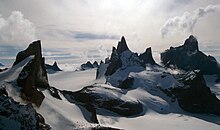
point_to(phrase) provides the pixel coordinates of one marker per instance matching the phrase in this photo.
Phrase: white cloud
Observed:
(16, 29)
(186, 23)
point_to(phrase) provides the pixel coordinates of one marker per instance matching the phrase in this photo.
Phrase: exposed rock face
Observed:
(89, 65)
(147, 57)
(195, 96)
(191, 44)
(124, 61)
(101, 70)
(122, 45)
(53, 67)
(95, 64)
(122, 57)
(127, 83)
(103, 97)
(104, 128)
(33, 75)
(188, 57)
(19, 116)
(1, 70)
(33, 49)
(54, 92)
(115, 62)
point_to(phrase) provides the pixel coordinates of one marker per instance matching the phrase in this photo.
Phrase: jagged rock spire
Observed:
(115, 62)
(33, 75)
(122, 45)
(147, 57)
(33, 49)
(191, 43)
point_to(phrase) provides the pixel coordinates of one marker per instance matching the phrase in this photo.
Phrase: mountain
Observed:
(89, 65)
(188, 57)
(127, 91)
(53, 67)
(126, 70)
(33, 75)
(123, 61)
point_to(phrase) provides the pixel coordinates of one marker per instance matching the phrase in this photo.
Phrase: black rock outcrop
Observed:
(195, 96)
(122, 45)
(114, 62)
(103, 97)
(95, 64)
(1, 70)
(89, 65)
(33, 75)
(53, 67)
(188, 57)
(19, 116)
(122, 57)
(147, 57)
(127, 83)
(54, 92)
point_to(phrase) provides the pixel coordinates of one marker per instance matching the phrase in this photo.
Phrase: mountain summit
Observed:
(122, 45)
(188, 57)
(191, 43)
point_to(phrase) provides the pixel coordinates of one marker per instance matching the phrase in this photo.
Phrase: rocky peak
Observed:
(114, 55)
(122, 45)
(33, 75)
(95, 64)
(53, 67)
(89, 65)
(115, 62)
(191, 43)
(56, 66)
(33, 49)
(188, 57)
(147, 57)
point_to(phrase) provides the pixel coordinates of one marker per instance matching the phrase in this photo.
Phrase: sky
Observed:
(80, 28)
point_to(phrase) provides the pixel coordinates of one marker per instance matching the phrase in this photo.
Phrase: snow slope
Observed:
(160, 112)
(159, 109)
(72, 80)
(59, 114)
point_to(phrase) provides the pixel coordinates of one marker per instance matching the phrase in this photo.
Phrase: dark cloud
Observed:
(92, 36)
(78, 35)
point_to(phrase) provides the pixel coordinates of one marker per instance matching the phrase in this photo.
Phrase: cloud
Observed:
(16, 29)
(91, 36)
(78, 35)
(182, 1)
(187, 21)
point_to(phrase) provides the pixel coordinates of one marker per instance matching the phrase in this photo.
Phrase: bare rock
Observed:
(188, 57)
(147, 57)
(33, 75)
